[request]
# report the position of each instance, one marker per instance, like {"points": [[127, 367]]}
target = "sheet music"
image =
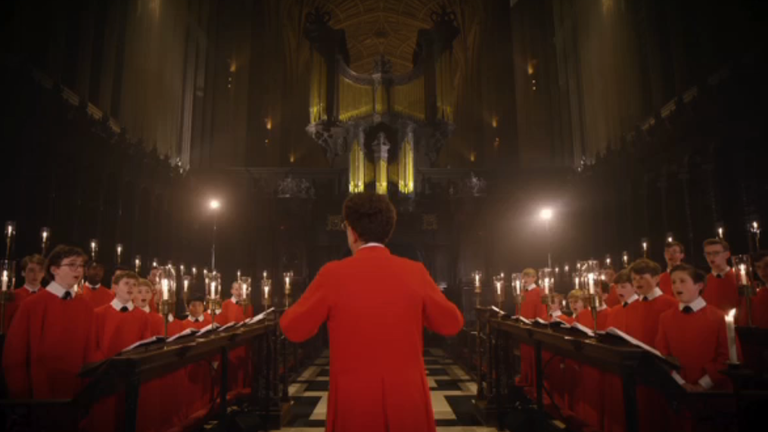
{"points": [[525, 320], [187, 332], [226, 326], [500, 312], [616, 332], [261, 316], [147, 341], [541, 321], [209, 327], [583, 328]]}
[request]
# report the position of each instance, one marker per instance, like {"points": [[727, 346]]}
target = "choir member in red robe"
{"points": [[531, 308], [722, 288], [695, 334], [50, 339], [759, 302], [642, 323], [33, 270], [613, 397], [674, 253], [553, 374], [200, 377], [97, 294], [376, 305], [117, 325], [233, 310], [610, 298]]}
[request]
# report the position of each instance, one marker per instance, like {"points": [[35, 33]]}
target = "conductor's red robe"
{"points": [[49, 341], [665, 284], [19, 295], [722, 292], [530, 308], [97, 297], [113, 332], [376, 305]]}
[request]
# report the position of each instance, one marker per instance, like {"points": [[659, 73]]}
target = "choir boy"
{"points": [[611, 299], [531, 308], [200, 377], [722, 290], [33, 271], [603, 312], [627, 296], [695, 334], [97, 294], [674, 252], [120, 323], [232, 309], [555, 307], [50, 339], [141, 298], [577, 305], [197, 317]]}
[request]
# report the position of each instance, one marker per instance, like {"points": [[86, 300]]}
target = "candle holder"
{"points": [[45, 234], [516, 282], [94, 249], [754, 228], [137, 263], [7, 282], [742, 268], [547, 284], [168, 292], [498, 282], [186, 281], [245, 286], [213, 292], [266, 290], [10, 233], [287, 276], [591, 270]]}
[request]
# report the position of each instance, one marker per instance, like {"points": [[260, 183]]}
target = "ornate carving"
{"points": [[443, 15], [291, 187], [472, 186], [332, 139], [382, 65], [335, 223], [429, 222]]}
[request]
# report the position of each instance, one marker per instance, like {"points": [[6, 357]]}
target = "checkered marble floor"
{"points": [[452, 392]]}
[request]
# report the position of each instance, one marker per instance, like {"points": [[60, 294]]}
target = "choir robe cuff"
{"points": [[706, 382]]}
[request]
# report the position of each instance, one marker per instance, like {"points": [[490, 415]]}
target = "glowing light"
{"points": [[214, 204], [546, 214]]}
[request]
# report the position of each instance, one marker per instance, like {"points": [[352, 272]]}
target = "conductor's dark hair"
{"points": [[59, 254], [371, 216]]}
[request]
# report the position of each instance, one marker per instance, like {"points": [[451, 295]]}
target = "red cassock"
{"points": [[759, 307], [239, 358], [114, 331], [555, 373], [376, 305], [665, 284], [589, 393], [49, 341], [199, 386], [722, 292], [642, 323], [19, 295], [613, 399], [613, 297], [98, 297], [530, 308]]}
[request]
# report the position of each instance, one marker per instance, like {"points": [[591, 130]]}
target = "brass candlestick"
{"points": [[742, 267], [7, 282], [165, 310], [266, 290], [213, 294], [287, 276], [547, 282], [245, 286], [498, 282]]}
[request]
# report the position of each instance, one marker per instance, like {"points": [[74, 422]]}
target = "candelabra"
{"points": [[742, 267], [245, 286], [516, 282], [594, 296], [7, 282], [547, 283], [94, 249], [266, 288], [186, 280], [287, 276], [213, 292], [498, 282]]}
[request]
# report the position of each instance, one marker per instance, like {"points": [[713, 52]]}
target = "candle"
{"points": [[181, 269], [518, 287], [266, 290], [186, 285], [743, 274], [720, 232], [546, 286], [566, 268], [5, 280], [576, 282], [477, 279], [238, 275], [591, 283], [164, 285], [119, 248], [213, 289], [45, 232], [733, 356], [498, 287]]}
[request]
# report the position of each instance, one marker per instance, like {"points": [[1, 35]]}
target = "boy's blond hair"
{"points": [[530, 272], [577, 294]]}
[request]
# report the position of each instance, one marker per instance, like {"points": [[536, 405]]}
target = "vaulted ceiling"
{"points": [[389, 27]]}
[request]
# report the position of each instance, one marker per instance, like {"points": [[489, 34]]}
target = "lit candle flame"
{"points": [[733, 356], [5, 280]]}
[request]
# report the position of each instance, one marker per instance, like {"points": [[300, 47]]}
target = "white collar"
{"points": [[530, 287], [146, 309], [34, 290], [655, 293], [631, 300], [715, 274], [696, 305], [233, 300], [555, 314], [196, 320], [94, 287], [59, 290], [371, 244], [117, 305]]}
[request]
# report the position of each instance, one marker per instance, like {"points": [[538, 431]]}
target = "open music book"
{"points": [[583, 328], [616, 332], [208, 328], [148, 341], [188, 332], [260, 316], [226, 326]]}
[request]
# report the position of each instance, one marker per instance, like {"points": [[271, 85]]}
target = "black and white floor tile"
{"points": [[451, 388]]}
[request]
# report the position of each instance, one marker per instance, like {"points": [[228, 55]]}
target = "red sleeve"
{"points": [[719, 362], [662, 343], [302, 320], [440, 314], [98, 346], [15, 361]]}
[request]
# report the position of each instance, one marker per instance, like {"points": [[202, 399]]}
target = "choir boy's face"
{"points": [[644, 283], [154, 276], [684, 288], [555, 306], [33, 275], [717, 257], [608, 276], [673, 255], [528, 280], [762, 269], [125, 289], [625, 291], [237, 291], [70, 272], [95, 274], [141, 296], [196, 309], [577, 305]]}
